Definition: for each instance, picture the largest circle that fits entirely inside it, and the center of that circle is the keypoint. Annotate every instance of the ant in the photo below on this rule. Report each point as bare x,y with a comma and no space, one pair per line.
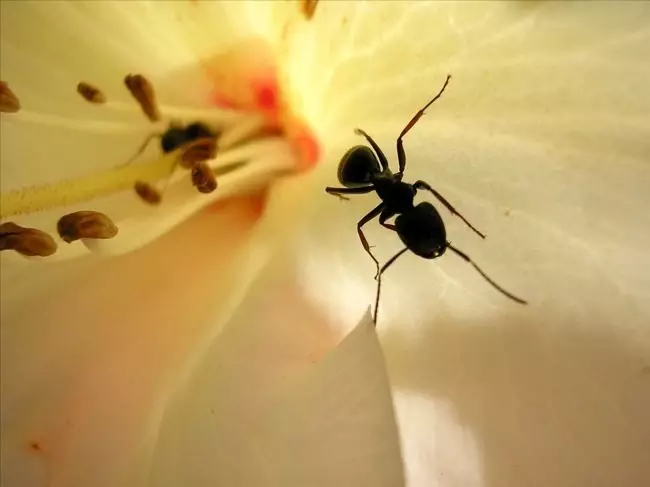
198,144
420,227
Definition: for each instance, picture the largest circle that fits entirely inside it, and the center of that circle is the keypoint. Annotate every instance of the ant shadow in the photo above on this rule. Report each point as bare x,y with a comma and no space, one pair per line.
548,405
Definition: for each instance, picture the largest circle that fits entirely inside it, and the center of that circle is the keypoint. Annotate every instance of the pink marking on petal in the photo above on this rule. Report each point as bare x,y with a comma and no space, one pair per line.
35,447
267,96
307,147
246,78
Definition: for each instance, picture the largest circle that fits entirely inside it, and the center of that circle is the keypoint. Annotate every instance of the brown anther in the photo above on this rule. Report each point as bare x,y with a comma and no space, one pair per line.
142,90
26,241
308,8
198,151
85,224
9,102
203,178
91,93
147,192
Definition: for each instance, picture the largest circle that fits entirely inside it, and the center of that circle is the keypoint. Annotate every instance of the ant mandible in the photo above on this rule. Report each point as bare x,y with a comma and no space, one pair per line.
420,227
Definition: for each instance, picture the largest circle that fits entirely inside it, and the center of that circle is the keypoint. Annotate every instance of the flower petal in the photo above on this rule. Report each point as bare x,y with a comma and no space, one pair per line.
274,403
541,141
86,371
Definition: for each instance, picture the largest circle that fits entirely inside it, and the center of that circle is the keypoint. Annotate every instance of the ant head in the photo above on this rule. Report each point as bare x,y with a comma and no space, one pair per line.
357,166
423,231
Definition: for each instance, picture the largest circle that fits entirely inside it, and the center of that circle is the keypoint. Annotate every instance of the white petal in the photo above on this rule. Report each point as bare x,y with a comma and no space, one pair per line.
272,405
541,140
92,350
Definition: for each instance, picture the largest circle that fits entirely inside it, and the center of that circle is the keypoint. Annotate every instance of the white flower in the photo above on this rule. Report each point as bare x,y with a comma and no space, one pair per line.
205,352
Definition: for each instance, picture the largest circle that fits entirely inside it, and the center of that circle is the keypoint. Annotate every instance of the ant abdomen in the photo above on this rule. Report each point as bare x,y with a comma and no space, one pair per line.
422,230
357,166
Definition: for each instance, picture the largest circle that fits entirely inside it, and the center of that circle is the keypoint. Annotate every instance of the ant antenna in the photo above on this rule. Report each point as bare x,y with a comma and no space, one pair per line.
419,114
378,278
465,257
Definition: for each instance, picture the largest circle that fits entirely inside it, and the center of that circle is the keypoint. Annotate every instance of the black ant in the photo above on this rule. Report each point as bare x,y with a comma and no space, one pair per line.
420,227
197,142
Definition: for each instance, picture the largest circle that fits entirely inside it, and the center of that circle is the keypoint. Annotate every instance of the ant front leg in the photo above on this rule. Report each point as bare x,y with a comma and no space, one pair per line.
378,279
385,215
401,155
380,154
424,185
341,191
373,214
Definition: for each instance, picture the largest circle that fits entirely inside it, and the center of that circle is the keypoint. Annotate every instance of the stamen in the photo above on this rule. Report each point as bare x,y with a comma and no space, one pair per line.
26,241
252,150
198,151
142,90
249,168
203,178
308,8
9,102
85,224
147,192
91,93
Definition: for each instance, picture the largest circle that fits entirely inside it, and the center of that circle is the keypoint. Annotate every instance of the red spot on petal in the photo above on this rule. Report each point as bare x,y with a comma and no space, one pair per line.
308,149
35,447
304,142
267,97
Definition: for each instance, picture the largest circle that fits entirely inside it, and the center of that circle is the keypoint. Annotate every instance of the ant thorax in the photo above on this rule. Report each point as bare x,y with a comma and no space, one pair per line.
396,194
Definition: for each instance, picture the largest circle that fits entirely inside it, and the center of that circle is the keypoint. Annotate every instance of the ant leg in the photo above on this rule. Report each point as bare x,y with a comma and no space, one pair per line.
466,258
341,191
380,154
373,214
141,149
424,185
383,269
401,156
385,215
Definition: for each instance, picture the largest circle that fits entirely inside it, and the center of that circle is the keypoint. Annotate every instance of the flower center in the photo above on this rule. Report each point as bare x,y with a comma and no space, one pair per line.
242,144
